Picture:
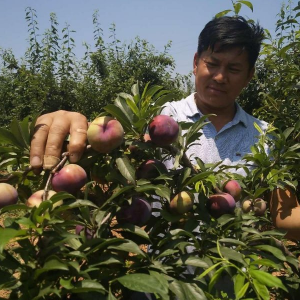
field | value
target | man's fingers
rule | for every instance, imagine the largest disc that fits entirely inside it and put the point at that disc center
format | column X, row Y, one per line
column 38, row 142
column 78, row 133
column 49, row 137
column 58, row 131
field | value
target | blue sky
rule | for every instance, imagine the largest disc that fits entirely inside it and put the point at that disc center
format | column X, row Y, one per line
column 157, row 21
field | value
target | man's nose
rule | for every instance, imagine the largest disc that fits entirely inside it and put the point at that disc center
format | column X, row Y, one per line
column 220, row 75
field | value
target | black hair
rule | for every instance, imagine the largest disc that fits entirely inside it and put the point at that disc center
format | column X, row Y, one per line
column 227, row 32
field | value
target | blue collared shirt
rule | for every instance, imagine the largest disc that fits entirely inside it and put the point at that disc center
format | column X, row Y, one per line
column 229, row 145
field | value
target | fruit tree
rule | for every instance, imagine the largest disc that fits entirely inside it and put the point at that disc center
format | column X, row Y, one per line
column 120, row 223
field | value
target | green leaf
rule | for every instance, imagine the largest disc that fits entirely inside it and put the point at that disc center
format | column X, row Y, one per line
column 143, row 283
column 265, row 262
column 198, row 177
column 258, row 128
column 261, row 290
column 135, row 89
column 230, row 254
column 237, row 7
column 223, row 13
column 7, row 234
column 247, row 3
column 203, row 274
column 87, row 285
column 215, row 278
column 120, row 116
column 273, row 250
column 186, row 291
column 21, row 132
column 127, row 246
column 239, row 281
column 194, row 261
column 241, row 292
column 134, row 229
column 6, row 137
column 118, row 193
column 52, row 263
column 267, row 279
column 232, row 241
column 133, row 107
column 126, row 169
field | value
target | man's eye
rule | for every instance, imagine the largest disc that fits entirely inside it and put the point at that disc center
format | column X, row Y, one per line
column 235, row 70
column 211, row 64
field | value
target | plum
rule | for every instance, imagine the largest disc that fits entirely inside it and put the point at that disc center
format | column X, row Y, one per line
column 8, row 195
column 163, row 130
column 220, row 204
column 149, row 169
column 233, row 188
column 71, row 178
column 182, row 202
column 105, row 134
column 137, row 213
column 36, row 198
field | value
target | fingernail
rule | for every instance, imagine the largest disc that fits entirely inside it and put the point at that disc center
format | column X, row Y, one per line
column 50, row 162
column 74, row 157
column 36, row 161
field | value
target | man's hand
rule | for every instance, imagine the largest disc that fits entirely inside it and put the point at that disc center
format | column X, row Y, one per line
column 50, row 133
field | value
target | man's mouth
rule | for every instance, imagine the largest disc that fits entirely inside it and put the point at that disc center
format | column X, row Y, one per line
column 216, row 89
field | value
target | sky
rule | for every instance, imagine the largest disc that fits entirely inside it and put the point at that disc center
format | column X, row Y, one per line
column 157, row 21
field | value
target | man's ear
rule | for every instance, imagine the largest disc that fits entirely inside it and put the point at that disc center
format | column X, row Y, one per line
column 195, row 63
column 250, row 75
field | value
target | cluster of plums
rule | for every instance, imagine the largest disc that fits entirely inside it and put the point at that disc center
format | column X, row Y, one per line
column 225, row 202
column 104, row 135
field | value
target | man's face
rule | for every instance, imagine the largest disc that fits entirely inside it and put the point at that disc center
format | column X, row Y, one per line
column 220, row 78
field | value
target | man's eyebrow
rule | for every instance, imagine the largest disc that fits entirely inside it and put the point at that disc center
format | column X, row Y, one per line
column 233, row 64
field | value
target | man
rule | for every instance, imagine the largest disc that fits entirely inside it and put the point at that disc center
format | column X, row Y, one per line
column 224, row 64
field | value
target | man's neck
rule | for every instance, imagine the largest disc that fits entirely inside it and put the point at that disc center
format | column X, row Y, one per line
column 223, row 116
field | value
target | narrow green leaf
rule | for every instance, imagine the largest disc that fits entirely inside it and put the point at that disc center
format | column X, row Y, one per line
column 185, row 290
column 143, row 283
column 120, row 116
column 215, row 278
column 126, row 169
column 261, row 290
column 21, row 134
column 52, row 263
column 127, row 246
column 208, row 270
column 273, row 250
column 118, row 193
column 134, row 229
column 232, row 241
column 7, row 234
column 230, row 254
column 6, row 137
column 247, row 3
column 239, row 281
column 223, row 13
column 267, row 279
column 258, row 128
column 194, row 261
column 133, row 107
column 265, row 262
column 135, row 89
column 241, row 292
column 237, row 7
column 88, row 285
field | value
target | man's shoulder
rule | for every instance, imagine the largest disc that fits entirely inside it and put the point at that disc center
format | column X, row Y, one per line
column 180, row 103
column 249, row 120
column 181, row 109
